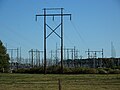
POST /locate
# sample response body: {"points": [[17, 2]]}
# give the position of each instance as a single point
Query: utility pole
{"points": [[102, 53], [17, 57], [74, 58], [64, 53], [56, 55], [20, 55], [41, 57], [11, 57], [32, 58], [67, 54], [88, 53], [72, 54], [45, 15], [51, 63], [101, 59]]}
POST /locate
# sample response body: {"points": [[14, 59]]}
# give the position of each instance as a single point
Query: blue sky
{"points": [[94, 25]]}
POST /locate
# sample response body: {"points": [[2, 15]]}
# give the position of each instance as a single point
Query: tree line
{"points": [[4, 58]]}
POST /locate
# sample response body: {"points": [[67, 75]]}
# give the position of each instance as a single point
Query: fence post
{"points": [[59, 83]]}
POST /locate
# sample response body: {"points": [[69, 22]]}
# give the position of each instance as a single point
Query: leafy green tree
{"points": [[4, 58]]}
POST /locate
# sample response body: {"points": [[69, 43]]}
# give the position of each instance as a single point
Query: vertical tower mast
{"points": [[45, 15]]}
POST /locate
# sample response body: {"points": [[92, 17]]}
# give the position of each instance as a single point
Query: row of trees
{"points": [[4, 58], [78, 70]]}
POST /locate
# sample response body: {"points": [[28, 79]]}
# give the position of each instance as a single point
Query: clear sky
{"points": [[94, 25]]}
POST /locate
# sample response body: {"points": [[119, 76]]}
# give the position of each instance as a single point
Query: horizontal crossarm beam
{"points": [[53, 15]]}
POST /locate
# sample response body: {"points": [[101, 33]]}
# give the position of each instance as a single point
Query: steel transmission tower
{"points": [[113, 52], [61, 15]]}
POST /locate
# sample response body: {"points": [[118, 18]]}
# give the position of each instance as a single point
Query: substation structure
{"points": [[15, 54], [93, 61], [63, 57], [71, 59]]}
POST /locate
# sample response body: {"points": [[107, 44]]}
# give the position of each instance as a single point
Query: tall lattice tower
{"points": [[113, 52]]}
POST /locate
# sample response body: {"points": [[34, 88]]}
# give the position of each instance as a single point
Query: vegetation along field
{"points": [[68, 82]]}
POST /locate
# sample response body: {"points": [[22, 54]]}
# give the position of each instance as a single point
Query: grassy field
{"points": [[68, 82]]}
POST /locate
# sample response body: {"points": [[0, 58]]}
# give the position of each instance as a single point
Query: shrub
{"points": [[67, 71], [76, 70], [57, 70], [53, 70], [90, 71], [102, 71], [29, 70], [116, 67], [114, 71], [1, 70], [21, 70], [107, 69], [80, 70]]}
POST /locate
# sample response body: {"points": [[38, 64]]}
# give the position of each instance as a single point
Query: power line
{"points": [[66, 37], [78, 33], [21, 36]]}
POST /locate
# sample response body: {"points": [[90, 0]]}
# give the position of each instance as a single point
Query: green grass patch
{"points": [[50, 81]]}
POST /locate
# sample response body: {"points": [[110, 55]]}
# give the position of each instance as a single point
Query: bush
{"points": [[107, 69], [29, 70], [21, 70], [1, 70], [114, 71], [57, 70], [4, 70], [53, 70], [90, 71], [102, 71], [116, 67], [67, 71], [83, 71], [77, 70]]}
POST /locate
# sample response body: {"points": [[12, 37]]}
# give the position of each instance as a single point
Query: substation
{"points": [[63, 57], [71, 59]]}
